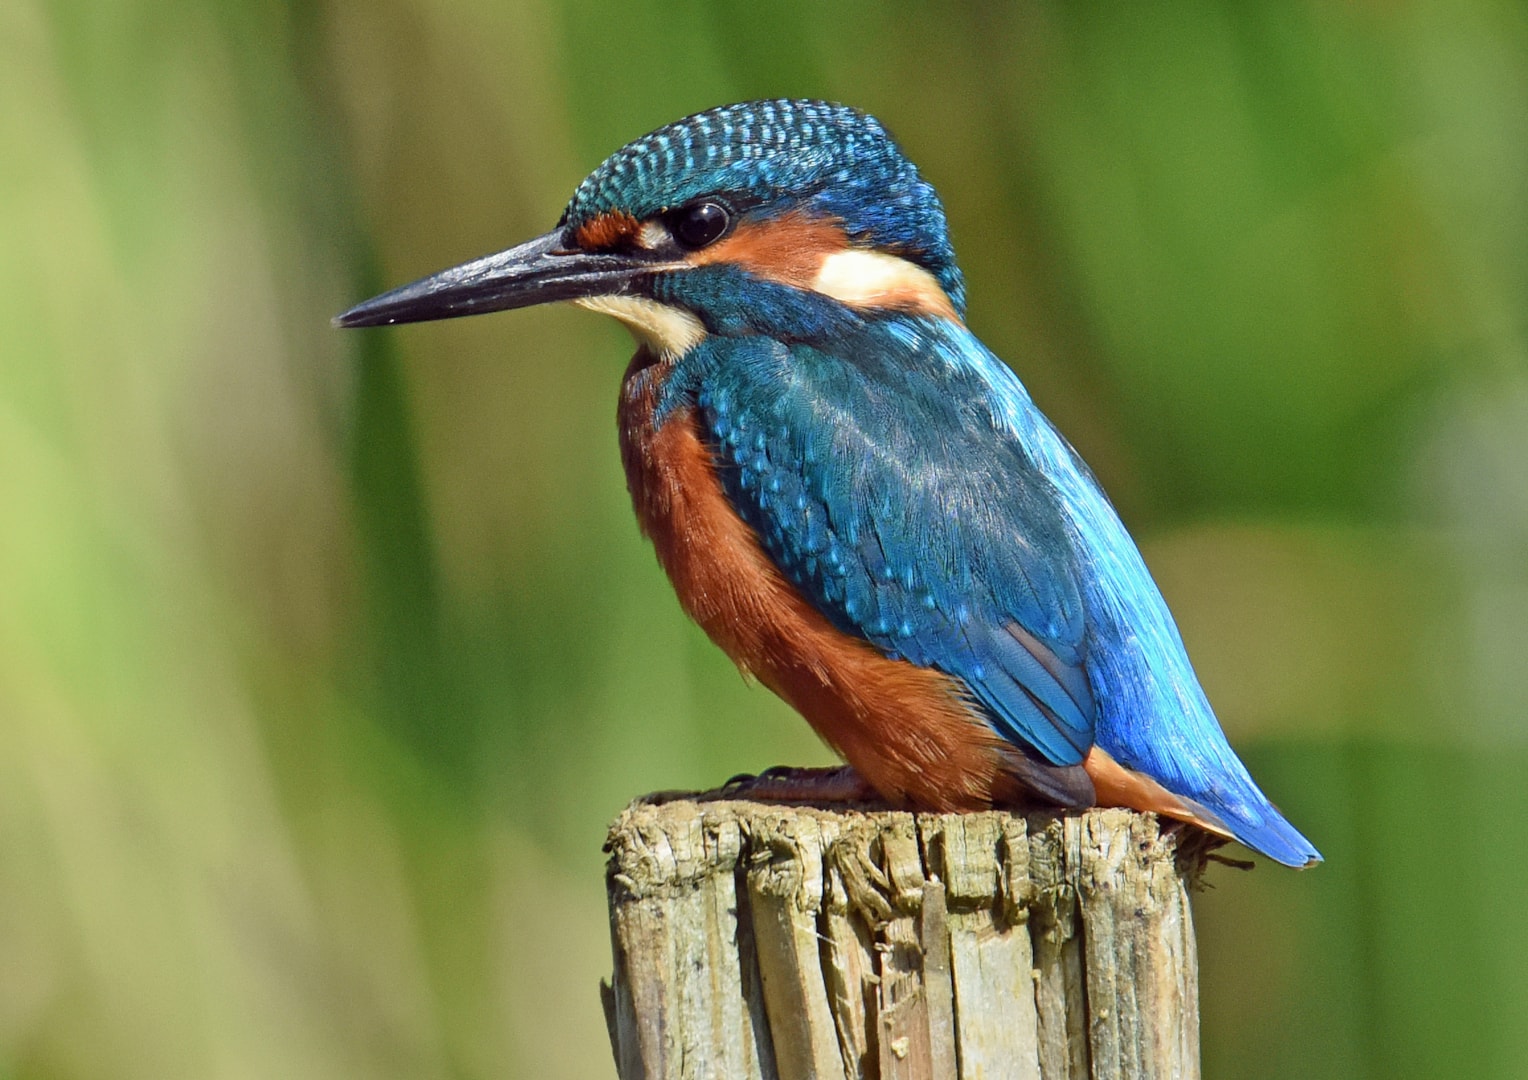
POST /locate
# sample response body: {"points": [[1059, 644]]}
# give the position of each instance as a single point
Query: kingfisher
{"points": [[852, 495]]}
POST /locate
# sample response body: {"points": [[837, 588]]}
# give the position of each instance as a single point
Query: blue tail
{"points": [[1271, 835]]}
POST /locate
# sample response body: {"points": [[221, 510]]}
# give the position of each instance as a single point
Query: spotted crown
{"points": [[818, 156]]}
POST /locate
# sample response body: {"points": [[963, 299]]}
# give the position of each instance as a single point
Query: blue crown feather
{"points": [[815, 156]]}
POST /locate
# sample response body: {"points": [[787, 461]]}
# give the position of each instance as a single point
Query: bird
{"points": [[855, 498]]}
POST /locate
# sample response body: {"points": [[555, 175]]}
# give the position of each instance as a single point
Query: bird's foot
{"points": [[836, 786], [784, 784]]}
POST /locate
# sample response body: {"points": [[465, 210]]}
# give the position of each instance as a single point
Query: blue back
{"points": [[899, 474]]}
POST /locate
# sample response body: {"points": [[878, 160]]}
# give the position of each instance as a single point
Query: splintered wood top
{"points": [[757, 940]]}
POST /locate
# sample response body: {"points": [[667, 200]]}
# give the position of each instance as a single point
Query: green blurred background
{"points": [[325, 657]]}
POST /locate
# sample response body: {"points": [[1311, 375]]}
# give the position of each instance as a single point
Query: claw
{"points": [[785, 784]]}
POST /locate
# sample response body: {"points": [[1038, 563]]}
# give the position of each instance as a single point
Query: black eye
{"points": [[699, 224]]}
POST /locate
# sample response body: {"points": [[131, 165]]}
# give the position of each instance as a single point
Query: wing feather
{"points": [[881, 483]]}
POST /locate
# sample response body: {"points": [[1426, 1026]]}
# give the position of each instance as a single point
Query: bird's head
{"points": [[764, 217]]}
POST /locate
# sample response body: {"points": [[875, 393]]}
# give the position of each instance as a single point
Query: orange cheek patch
{"points": [[606, 231], [788, 249], [814, 254]]}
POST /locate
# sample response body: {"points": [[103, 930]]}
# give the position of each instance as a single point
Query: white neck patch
{"points": [[868, 279], [874, 279], [668, 331]]}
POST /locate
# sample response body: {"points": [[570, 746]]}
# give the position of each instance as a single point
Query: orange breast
{"points": [[905, 729]]}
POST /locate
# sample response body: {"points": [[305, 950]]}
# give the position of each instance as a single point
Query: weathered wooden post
{"points": [[759, 941]]}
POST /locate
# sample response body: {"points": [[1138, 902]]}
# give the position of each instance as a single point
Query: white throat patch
{"points": [[668, 331]]}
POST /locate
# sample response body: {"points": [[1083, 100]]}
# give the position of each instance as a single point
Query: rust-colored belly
{"points": [[905, 729]]}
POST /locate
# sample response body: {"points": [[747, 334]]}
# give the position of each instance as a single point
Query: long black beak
{"points": [[537, 272]]}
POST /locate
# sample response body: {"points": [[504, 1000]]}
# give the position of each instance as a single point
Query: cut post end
{"points": [[757, 941]]}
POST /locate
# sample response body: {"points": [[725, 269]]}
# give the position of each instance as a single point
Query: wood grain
{"points": [[761, 941]]}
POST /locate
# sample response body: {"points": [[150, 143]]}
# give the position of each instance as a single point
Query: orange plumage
{"points": [[907, 730]]}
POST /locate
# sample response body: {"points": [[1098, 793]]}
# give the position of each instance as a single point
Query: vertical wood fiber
{"points": [[761, 941]]}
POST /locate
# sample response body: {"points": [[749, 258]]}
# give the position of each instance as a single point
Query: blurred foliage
{"points": [[324, 658]]}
